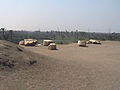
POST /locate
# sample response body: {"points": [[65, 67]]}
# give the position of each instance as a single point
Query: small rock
{"points": [[32, 62]]}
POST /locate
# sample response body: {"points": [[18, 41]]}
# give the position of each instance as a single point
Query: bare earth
{"points": [[96, 67]]}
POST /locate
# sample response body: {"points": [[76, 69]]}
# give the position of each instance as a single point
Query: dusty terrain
{"points": [[95, 67]]}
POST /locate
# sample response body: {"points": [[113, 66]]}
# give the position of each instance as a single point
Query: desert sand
{"points": [[95, 67]]}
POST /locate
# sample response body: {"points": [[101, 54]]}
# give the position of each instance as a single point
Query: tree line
{"points": [[72, 36]]}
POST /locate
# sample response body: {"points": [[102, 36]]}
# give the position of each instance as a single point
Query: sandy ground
{"points": [[96, 67]]}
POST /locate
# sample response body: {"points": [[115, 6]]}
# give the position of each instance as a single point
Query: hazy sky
{"points": [[97, 15]]}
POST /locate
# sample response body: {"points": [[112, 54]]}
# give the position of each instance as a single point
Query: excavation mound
{"points": [[13, 56]]}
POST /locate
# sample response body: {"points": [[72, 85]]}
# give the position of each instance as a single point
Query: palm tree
{"points": [[3, 32]]}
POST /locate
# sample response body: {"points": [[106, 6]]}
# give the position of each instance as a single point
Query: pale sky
{"points": [[97, 15]]}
